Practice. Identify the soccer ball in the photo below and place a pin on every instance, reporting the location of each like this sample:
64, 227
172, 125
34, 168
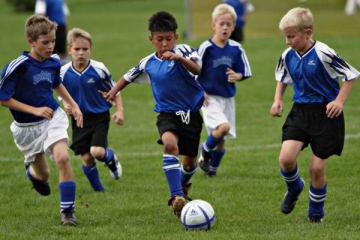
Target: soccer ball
197, 215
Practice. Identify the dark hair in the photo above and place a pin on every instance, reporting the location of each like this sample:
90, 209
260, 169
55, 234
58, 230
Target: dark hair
162, 22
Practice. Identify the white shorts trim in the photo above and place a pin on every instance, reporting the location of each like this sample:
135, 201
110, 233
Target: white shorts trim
218, 111
36, 138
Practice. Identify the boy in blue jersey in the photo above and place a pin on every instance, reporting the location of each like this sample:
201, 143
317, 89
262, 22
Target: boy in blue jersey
40, 125
84, 78
178, 98
224, 63
316, 117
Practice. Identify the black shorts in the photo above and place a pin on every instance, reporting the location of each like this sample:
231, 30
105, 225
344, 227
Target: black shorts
188, 134
310, 125
60, 42
94, 132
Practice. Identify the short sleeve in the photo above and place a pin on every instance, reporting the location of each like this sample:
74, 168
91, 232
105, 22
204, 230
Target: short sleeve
281, 71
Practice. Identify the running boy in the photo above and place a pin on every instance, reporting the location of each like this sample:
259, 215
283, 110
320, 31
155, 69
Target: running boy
224, 63
178, 99
84, 78
316, 117
40, 125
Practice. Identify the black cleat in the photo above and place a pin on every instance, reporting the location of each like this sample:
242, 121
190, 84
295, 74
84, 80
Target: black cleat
68, 218
211, 173
41, 187
204, 160
315, 218
289, 201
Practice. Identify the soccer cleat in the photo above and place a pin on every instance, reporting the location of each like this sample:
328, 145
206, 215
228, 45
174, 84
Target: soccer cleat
315, 218
211, 173
68, 218
289, 201
177, 203
41, 187
115, 168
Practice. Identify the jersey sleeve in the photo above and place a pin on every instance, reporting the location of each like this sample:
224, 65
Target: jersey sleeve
243, 65
281, 71
137, 74
7, 84
335, 65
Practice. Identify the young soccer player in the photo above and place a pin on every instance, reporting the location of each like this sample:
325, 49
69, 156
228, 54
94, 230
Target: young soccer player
84, 78
316, 117
178, 99
224, 63
40, 125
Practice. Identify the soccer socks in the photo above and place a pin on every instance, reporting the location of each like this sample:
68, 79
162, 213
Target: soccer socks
211, 143
316, 202
67, 196
92, 175
186, 174
109, 155
294, 182
216, 157
171, 168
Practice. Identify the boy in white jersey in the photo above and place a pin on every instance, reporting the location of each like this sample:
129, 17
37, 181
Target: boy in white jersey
224, 64
178, 99
84, 78
40, 125
316, 117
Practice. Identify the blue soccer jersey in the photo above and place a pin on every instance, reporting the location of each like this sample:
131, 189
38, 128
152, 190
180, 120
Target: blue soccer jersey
314, 75
174, 88
31, 82
84, 87
215, 61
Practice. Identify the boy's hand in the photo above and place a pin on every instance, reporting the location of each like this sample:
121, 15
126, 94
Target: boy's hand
77, 114
108, 96
45, 112
233, 76
277, 109
67, 108
118, 117
168, 55
334, 109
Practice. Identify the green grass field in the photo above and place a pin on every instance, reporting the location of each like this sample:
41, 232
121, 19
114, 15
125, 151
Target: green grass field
247, 192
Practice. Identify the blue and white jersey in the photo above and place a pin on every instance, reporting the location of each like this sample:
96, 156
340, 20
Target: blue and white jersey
31, 82
314, 75
84, 86
215, 61
174, 88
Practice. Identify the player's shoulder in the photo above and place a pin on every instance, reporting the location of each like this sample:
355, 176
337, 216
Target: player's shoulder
146, 59
65, 68
286, 52
99, 67
13, 65
203, 46
234, 43
323, 49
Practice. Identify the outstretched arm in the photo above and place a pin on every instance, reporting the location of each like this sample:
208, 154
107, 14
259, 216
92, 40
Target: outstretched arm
45, 112
110, 96
278, 105
190, 65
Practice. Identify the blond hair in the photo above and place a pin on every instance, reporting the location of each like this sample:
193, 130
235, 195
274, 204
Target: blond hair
300, 18
76, 33
222, 9
37, 25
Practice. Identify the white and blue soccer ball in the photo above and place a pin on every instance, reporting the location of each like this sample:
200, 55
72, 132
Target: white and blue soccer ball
197, 215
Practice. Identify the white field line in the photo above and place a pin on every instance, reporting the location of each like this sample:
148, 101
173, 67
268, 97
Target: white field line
242, 148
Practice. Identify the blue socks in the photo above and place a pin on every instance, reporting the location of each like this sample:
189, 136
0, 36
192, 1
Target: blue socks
216, 156
316, 201
67, 196
294, 182
211, 143
186, 174
171, 168
92, 175
109, 155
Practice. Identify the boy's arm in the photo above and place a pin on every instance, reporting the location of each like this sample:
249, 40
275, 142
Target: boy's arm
334, 108
189, 64
277, 107
45, 112
75, 110
110, 96
118, 116
233, 76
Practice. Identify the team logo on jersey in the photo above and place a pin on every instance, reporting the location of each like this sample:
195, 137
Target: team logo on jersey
171, 63
311, 62
222, 61
43, 76
91, 80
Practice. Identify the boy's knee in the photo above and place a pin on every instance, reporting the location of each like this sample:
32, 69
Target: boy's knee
97, 152
62, 159
225, 128
171, 148
287, 163
316, 172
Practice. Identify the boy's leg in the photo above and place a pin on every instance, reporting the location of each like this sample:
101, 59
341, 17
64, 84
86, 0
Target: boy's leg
91, 172
38, 173
67, 185
216, 157
171, 168
289, 170
188, 169
108, 156
317, 189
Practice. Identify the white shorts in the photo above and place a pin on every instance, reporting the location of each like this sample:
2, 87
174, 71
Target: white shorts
218, 111
35, 138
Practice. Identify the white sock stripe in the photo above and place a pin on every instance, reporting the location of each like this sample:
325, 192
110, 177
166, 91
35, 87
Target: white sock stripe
291, 179
317, 196
205, 147
213, 169
170, 156
67, 202
186, 172
172, 166
316, 200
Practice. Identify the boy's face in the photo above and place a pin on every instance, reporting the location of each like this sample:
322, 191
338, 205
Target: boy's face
80, 51
298, 40
163, 41
223, 26
43, 47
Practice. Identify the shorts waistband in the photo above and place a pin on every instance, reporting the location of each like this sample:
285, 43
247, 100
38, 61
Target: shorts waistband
29, 124
310, 106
